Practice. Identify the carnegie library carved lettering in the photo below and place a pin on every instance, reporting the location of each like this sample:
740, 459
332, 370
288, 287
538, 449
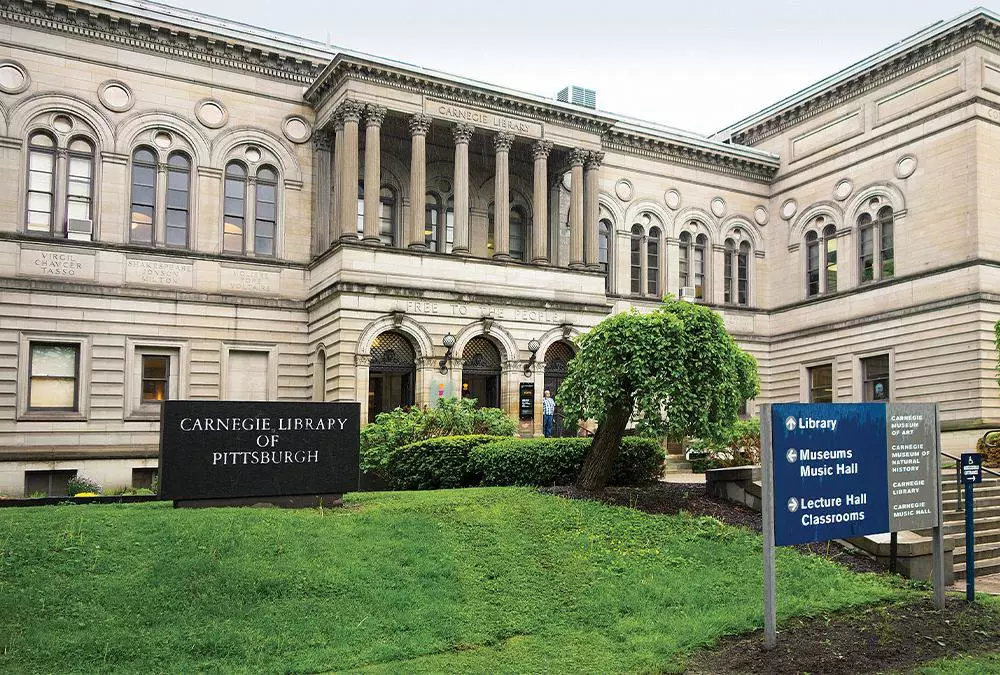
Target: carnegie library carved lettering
482, 118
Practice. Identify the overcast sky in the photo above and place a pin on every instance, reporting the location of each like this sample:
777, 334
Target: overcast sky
698, 65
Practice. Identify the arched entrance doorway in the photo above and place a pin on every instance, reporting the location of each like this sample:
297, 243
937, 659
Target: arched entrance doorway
391, 373
557, 358
481, 372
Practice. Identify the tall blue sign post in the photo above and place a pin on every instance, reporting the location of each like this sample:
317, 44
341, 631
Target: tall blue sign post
972, 473
842, 470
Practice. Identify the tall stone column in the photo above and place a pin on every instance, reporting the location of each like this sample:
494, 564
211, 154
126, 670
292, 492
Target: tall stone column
590, 209
577, 156
463, 134
338, 172
59, 223
374, 115
160, 218
420, 124
321, 192
501, 196
540, 209
350, 113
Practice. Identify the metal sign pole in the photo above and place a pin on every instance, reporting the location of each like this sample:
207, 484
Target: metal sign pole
937, 533
970, 546
767, 513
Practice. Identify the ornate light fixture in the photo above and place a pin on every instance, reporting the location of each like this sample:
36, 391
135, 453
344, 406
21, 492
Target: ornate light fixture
448, 341
533, 346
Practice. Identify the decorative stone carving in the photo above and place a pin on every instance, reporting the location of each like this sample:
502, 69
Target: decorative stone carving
577, 156
487, 324
13, 77
672, 198
296, 129
252, 154
905, 166
351, 110
419, 124
594, 160
760, 215
788, 209
718, 207
843, 189
502, 141
374, 115
462, 132
322, 142
162, 139
624, 190
211, 113
541, 149
114, 95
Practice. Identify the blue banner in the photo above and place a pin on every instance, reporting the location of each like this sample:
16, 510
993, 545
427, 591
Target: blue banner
830, 471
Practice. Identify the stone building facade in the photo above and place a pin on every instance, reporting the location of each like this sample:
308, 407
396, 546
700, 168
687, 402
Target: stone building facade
195, 208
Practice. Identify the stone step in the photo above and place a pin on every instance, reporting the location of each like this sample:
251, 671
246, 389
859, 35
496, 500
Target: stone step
982, 525
676, 465
984, 552
981, 511
988, 566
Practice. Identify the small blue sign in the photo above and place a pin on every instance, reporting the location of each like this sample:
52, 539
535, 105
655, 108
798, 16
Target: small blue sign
830, 471
972, 468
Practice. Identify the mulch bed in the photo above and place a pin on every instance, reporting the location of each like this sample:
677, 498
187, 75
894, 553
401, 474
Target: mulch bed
876, 639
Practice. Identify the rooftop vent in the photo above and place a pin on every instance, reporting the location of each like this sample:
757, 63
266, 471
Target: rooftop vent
578, 96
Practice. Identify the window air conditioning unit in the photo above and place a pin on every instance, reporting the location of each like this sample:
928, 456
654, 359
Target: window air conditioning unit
79, 229
687, 293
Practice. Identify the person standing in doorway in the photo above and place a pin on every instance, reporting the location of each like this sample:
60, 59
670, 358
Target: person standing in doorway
548, 413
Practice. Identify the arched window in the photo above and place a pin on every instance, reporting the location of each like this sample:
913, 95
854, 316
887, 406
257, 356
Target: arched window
692, 263
234, 208
387, 216
812, 264
876, 257
603, 251
636, 259
432, 222
736, 271
653, 262
41, 182
830, 249
80, 183
178, 199
391, 373
143, 218
684, 260
517, 233
481, 372
265, 212
728, 278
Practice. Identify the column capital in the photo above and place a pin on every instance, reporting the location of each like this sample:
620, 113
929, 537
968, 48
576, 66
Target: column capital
419, 124
462, 132
541, 149
594, 160
161, 167
577, 156
502, 141
374, 115
321, 141
350, 110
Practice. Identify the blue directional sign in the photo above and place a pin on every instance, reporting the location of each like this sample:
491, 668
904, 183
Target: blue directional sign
830, 471
972, 467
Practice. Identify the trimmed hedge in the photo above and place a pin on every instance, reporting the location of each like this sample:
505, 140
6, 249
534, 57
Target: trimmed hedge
557, 461
441, 462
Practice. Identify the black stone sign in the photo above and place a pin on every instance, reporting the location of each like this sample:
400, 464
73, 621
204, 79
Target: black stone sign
237, 449
526, 396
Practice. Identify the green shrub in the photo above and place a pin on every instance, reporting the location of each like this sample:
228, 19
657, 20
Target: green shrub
557, 461
434, 463
989, 447
738, 445
450, 417
78, 484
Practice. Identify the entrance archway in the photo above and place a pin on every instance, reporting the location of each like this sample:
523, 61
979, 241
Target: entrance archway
481, 372
557, 358
391, 373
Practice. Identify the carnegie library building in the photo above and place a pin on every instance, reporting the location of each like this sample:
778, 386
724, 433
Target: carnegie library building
194, 208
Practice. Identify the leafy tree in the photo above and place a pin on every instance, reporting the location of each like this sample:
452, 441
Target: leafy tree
676, 370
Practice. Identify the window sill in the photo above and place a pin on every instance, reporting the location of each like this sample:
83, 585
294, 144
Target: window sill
52, 416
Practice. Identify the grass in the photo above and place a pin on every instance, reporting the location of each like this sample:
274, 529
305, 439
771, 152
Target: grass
478, 580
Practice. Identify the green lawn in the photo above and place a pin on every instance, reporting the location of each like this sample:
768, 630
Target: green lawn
487, 580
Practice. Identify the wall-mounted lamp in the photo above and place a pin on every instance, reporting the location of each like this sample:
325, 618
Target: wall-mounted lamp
448, 341
533, 348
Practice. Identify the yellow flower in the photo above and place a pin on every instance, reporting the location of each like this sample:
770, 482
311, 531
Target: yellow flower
86, 494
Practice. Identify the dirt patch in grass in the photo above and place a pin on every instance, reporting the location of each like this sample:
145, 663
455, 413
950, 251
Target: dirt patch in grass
878, 639
672, 498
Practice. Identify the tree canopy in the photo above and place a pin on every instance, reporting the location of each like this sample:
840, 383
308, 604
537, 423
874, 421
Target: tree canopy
675, 370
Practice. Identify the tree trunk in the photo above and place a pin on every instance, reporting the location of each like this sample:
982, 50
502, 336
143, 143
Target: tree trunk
597, 465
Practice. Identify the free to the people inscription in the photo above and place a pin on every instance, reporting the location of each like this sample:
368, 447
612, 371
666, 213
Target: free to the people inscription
236, 449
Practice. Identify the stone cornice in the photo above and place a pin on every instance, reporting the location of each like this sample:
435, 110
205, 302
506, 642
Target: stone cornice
717, 160
346, 67
93, 23
981, 30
